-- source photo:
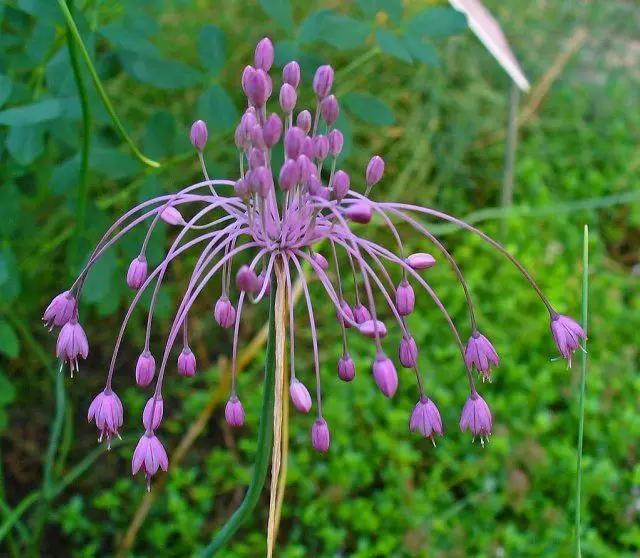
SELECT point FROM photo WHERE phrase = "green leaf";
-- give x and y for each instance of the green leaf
(65, 175)
(311, 28)
(7, 390)
(6, 86)
(9, 342)
(390, 44)
(286, 51)
(279, 11)
(217, 109)
(437, 22)
(42, 8)
(26, 115)
(10, 210)
(113, 163)
(393, 8)
(10, 285)
(100, 277)
(366, 107)
(159, 134)
(368, 7)
(25, 143)
(212, 48)
(129, 40)
(421, 51)
(39, 43)
(344, 32)
(343, 125)
(164, 74)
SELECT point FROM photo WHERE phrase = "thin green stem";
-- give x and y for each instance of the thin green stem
(96, 80)
(265, 442)
(81, 197)
(17, 512)
(47, 477)
(583, 386)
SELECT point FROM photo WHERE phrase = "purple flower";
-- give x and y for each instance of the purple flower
(145, 368)
(187, 363)
(373, 328)
(405, 298)
(234, 412)
(359, 213)
(247, 280)
(481, 354)
(421, 261)
(198, 134)
(60, 310)
(288, 98)
(408, 352)
(72, 343)
(264, 55)
(224, 312)
(291, 74)
(385, 375)
(341, 185)
(336, 141)
(425, 418)
(361, 314)
(375, 169)
(567, 334)
(304, 121)
(171, 216)
(329, 109)
(137, 272)
(156, 406)
(272, 130)
(323, 81)
(320, 260)
(106, 410)
(346, 310)
(476, 417)
(300, 396)
(320, 436)
(149, 456)
(346, 368)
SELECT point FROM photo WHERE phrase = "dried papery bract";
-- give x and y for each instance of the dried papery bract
(243, 229)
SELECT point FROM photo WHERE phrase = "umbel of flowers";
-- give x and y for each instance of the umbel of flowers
(283, 220)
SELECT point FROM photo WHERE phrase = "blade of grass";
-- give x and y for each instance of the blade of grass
(583, 387)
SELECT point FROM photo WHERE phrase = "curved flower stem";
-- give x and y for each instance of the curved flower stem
(583, 386)
(81, 200)
(73, 29)
(265, 440)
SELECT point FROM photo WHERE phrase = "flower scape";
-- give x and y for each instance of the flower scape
(282, 222)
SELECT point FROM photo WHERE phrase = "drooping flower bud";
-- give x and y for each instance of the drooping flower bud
(291, 74)
(476, 417)
(198, 134)
(256, 158)
(107, 411)
(262, 277)
(320, 436)
(300, 396)
(72, 343)
(375, 169)
(359, 212)
(321, 147)
(481, 354)
(329, 109)
(289, 175)
(346, 368)
(187, 363)
(256, 87)
(145, 368)
(242, 187)
(288, 98)
(224, 313)
(137, 272)
(361, 314)
(158, 411)
(234, 412)
(149, 456)
(408, 352)
(336, 141)
(323, 81)
(567, 334)
(405, 298)
(346, 310)
(341, 183)
(304, 121)
(370, 327)
(264, 54)
(272, 130)
(262, 181)
(425, 418)
(419, 261)
(60, 310)
(171, 216)
(247, 280)
(320, 260)
(293, 140)
(385, 375)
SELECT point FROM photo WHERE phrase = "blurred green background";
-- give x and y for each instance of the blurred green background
(416, 87)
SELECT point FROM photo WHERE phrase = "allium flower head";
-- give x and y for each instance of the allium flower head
(262, 229)
(567, 334)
